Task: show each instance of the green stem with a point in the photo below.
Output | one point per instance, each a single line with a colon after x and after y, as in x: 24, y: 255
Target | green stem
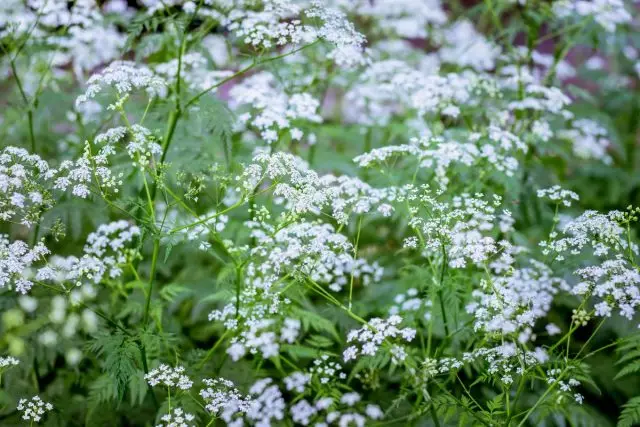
x: 154, y: 263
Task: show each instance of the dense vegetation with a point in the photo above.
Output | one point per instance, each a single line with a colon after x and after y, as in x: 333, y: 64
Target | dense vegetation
x: 282, y: 212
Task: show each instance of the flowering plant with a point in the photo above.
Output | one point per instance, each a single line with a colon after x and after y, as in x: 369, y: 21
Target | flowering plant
x: 319, y: 212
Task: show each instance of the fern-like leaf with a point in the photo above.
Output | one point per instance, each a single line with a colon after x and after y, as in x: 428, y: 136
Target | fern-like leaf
x: 630, y: 415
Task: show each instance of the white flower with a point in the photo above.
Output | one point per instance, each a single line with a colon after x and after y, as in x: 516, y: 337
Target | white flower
x: 177, y: 418
x: 167, y: 376
x: 34, y: 409
x: 124, y: 77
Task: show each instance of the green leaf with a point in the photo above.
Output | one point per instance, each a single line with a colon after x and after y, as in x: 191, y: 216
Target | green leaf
x: 172, y: 290
x: 311, y: 320
x: 138, y: 388
x: 630, y: 415
x: 298, y: 352
x: 319, y: 341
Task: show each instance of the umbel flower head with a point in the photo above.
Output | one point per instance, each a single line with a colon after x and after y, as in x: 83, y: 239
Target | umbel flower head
x: 166, y: 376
x: 33, y: 409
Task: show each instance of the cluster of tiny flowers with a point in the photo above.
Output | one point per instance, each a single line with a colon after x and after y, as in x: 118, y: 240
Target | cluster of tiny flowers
x: 313, y: 250
x: 608, y: 13
x: 404, y: 18
x: 105, y: 251
x: 194, y: 72
x: 589, y: 140
x: 326, y: 370
x: 302, y: 190
x: 466, y: 47
x: 326, y: 411
x: 272, y: 110
x: 504, y: 361
x: 461, y: 226
x: 78, y: 174
x: 223, y: 399
x: 16, y: 258
x: 297, y: 382
x: 89, y: 39
x: 124, y: 77
x: 166, y: 376
x: 497, y: 148
x: 24, y: 189
x: 8, y: 362
x: 558, y: 195
x: 267, y: 404
x: 141, y: 146
x: 256, y: 333
x: 269, y: 26
x: 341, y: 33
x: 614, y: 281
x: 553, y: 378
x: 513, y: 303
x: 33, y: 409
x: 410, y: 304
x: 177, y: 418
x: 600, y: 232
x: 371, y: 337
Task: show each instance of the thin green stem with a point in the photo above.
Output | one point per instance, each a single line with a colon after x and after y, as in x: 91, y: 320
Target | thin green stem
x: 154, y: 263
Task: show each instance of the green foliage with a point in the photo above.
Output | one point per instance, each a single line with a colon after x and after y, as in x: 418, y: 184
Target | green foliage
x: 630, y: 415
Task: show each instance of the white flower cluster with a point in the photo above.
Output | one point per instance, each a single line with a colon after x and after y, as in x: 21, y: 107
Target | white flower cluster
x: 105, y: 251
x: 608, y: 13
x: 558, y: 195
x: 297, y: 382
x: 8, y: 362
x: 257, y: 328
x: 393, y: 88
x: 505, y: 361
x: 279, y: 23
x: 311, y: 249
x: 497, y: 148
x: 465, y: 47
x: 513, y: 303
x: 79, y: 174
x: 24, y: 186
x: 166, y: 376
x: 589, y: 140
x: 272, y: 110
x: 615, y: 282
x: 276, y: 23
x: 592, y: 230
x: 542, y: 99
x: 195, y: 72
x: 404, y: 18
x: 177, y: 418
x: 337, y: 30
x: 327, y: 371
x: 326, y: 411
x: 304, y: 191
x: 141, y: 146
x: 377, y: 332
x: 124, y: 77
x: 263, y: 405
x: 223, y: 399
x: 16, y: 260
x: 89, y: 39
x: 33, y: 409
x: 553, y: 377
x: 459, y: 226
x: 410, y: 304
